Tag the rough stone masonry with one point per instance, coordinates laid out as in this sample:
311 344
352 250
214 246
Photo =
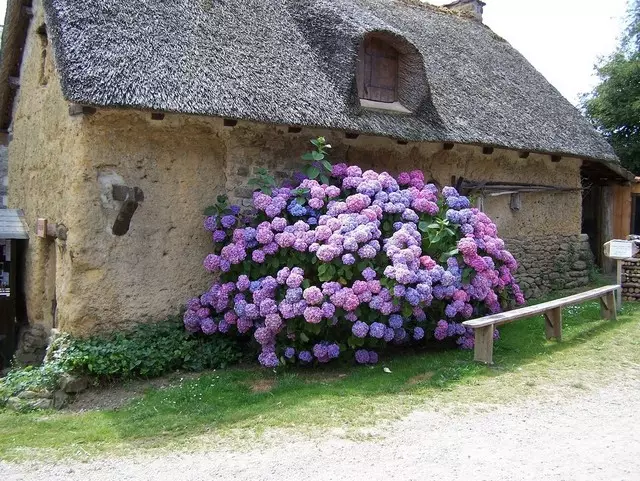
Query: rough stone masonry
551 262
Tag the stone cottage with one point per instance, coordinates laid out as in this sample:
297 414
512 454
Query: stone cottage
127 118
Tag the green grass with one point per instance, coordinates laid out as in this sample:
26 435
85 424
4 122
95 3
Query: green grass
225 403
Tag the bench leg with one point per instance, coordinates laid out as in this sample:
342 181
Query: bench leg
608 306
483 350
553 323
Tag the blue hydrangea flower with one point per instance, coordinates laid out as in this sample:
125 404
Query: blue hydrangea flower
305 356
395 321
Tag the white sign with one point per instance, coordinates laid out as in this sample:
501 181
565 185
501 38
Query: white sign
620 249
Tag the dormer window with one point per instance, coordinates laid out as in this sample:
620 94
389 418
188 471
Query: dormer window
380 71
390 74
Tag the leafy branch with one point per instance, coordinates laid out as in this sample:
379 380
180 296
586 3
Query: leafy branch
263 181
318 167
219 208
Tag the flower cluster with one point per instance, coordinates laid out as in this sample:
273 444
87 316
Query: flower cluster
317 271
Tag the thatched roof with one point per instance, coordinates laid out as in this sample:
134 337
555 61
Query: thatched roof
294 62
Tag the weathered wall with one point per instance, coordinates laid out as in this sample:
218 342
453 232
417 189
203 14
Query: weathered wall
42 173
181 163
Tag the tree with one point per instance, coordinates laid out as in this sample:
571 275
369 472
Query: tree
614 105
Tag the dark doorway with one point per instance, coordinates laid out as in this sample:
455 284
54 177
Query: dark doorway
13 241
635 214
592 219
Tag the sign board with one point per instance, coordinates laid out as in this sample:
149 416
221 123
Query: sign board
620 249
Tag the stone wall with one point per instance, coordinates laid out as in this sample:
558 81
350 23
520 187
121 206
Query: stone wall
551 262
4 176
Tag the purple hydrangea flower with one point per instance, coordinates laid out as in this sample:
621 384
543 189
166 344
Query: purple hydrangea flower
418 333
360 329
362 356
268 359
305 356
377 330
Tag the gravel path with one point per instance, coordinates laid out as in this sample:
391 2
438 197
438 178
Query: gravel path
591 436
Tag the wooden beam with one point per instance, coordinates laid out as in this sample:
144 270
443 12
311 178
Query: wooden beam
448 145
515 203
487 150
124 193
77 109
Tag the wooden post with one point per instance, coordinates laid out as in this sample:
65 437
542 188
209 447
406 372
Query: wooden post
619 282
553 323
608 306
483 350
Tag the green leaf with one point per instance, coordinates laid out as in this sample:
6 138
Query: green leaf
407 310
313 172
303 337
301 200
324 179
317 156
327 165
423 226
435 225
307 156
211 210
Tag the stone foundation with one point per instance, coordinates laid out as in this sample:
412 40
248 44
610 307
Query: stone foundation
32 345
551 262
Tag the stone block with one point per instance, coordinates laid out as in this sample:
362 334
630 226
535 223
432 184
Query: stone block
579 265
60 399
73 384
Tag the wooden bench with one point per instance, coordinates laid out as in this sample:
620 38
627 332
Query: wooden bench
484 326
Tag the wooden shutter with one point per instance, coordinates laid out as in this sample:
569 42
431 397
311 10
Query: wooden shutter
378 71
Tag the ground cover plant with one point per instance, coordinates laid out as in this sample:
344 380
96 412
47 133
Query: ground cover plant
342 262
239 403
146 350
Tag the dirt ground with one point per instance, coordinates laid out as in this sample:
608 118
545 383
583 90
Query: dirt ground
591 435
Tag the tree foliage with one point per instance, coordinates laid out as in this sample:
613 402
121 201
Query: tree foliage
614 105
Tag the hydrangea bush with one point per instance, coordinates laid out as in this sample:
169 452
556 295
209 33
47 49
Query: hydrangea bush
342 262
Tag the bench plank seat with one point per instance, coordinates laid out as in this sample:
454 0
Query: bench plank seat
484 326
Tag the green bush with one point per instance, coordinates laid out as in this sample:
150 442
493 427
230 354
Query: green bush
147 350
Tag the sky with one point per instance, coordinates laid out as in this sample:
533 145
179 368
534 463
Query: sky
563 39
